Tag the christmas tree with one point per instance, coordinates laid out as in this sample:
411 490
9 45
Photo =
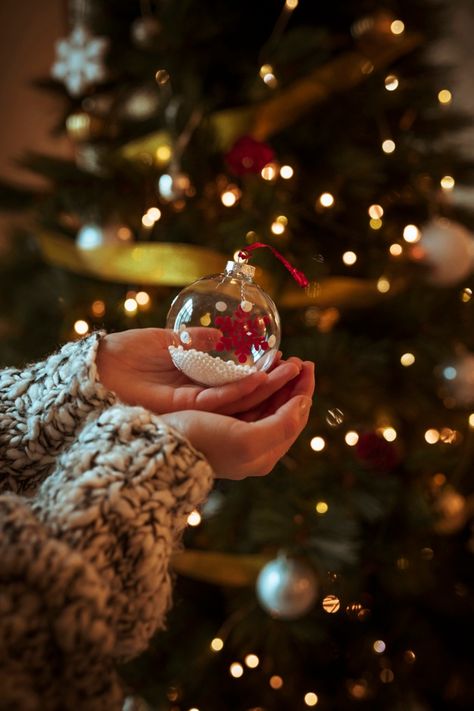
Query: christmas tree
342 580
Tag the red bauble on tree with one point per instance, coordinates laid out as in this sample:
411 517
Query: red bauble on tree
249 156
374 452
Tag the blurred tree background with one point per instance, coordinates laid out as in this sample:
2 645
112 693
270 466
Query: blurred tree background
344 579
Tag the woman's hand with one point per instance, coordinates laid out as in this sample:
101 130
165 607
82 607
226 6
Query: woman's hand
237 448
137 366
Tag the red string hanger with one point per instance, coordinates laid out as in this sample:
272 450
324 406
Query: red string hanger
298 276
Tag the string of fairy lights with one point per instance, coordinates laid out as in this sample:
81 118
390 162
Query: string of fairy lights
357 688
231 194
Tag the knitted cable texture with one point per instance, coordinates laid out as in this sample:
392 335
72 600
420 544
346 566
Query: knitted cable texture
84 564
41 409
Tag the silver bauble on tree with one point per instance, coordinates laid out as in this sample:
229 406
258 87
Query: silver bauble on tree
447 248
287 587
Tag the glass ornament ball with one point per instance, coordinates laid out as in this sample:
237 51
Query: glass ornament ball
225 327
287 587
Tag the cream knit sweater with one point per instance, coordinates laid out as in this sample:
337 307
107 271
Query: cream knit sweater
93 498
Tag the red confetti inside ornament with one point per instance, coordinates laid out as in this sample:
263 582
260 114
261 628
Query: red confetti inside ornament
241 333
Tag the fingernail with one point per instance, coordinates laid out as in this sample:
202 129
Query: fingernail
305 404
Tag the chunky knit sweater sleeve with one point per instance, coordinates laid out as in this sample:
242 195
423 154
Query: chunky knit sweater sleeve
84 564
41 409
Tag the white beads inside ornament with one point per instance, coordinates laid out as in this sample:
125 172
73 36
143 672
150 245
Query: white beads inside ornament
226 327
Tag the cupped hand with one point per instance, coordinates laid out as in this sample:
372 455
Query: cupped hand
237 448
137 366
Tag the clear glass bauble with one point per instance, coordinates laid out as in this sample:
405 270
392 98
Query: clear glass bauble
226 327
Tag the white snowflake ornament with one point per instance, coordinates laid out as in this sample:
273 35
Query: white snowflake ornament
79 60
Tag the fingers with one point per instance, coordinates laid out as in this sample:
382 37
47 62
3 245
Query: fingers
275 380
303 384
237 449
219 399
269 439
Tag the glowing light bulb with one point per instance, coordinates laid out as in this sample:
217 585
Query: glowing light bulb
265 69
375 224
391 82
407 359
98 308
194 518
379 646
276 682
81 327
270 80
445 96
466 295
142 298
321 507
349 258
411 234
217 644
311 699
163 154
252 661
130 306
236 670
286 172
432 436
269 171
317 444
397 27
147 220
383 285
376 212
351 438
447 182
154 213
395 249
228 198
471 419
277 228
388 146
291 4
450 373
389 434
326 200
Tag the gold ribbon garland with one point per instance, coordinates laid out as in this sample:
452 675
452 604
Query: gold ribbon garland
219 568
172 264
